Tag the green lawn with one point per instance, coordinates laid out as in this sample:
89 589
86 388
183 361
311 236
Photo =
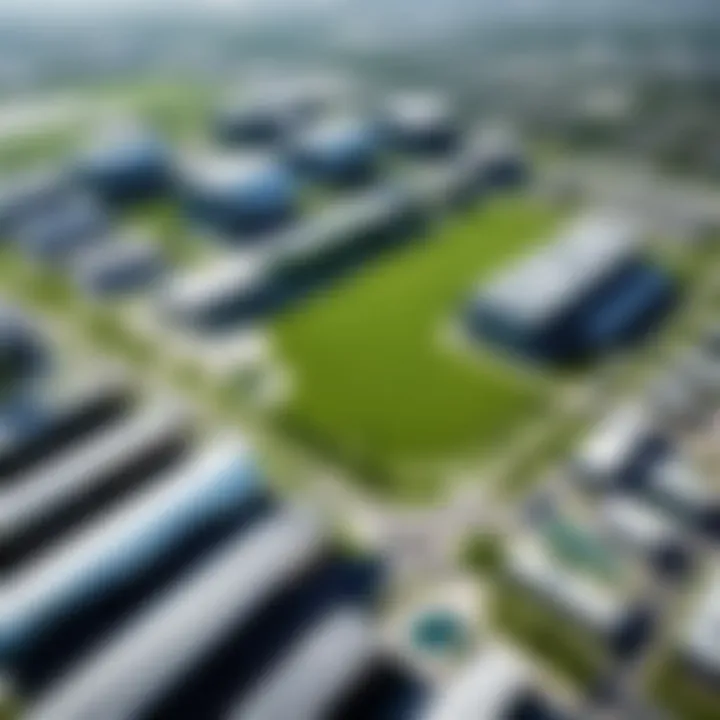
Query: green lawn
372 376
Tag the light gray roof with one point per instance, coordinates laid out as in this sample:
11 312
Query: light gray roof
130 536
199 290
638 525
210 171
612 444
39 492
484 690
338 225
583 254
318 670
680 485
418 110
159 648
701 638
590 602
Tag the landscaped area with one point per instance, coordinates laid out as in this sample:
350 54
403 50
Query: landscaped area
375 377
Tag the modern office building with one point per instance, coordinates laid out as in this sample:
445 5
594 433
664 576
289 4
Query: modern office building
636 526
679 488
307 256
26 195
125 264
588 292
238 194
594 602
59 232
343 236
699 643
60 415
338 152
216 296
498 685
498 159
23 353
421 124
268 113
125 164
620 451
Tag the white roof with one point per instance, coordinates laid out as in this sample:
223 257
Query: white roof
27 501
199 289
333 130
484 690
701 639
115 136
95 551
159 647
638 524
583 254
675 479
612 444
589 601
420 109
217 172
130 246
315 673
337 225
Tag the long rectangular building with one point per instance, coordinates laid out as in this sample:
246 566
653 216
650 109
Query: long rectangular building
585 252
319 669
52 601
62 421
154 654
50 498
588 292
498 685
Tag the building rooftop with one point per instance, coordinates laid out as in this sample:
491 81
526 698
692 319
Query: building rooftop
417 110
582 254
701 637
236 171
614 442
486 689
580 594
205 286
159 647
638 524
317 671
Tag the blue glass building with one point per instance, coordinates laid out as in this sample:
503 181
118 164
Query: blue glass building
238 194
588 293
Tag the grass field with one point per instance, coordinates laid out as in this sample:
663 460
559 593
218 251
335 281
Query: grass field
371 374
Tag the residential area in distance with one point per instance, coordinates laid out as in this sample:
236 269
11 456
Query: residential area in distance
360 362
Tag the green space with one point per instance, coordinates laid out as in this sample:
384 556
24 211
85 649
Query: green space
374 379
674 688
545 633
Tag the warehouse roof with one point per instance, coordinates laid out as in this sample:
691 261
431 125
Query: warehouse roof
614 442
584 253
340 224
199 290
38 493
418 110
485 689
158 648
316 672
701 640
222 172
128 539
